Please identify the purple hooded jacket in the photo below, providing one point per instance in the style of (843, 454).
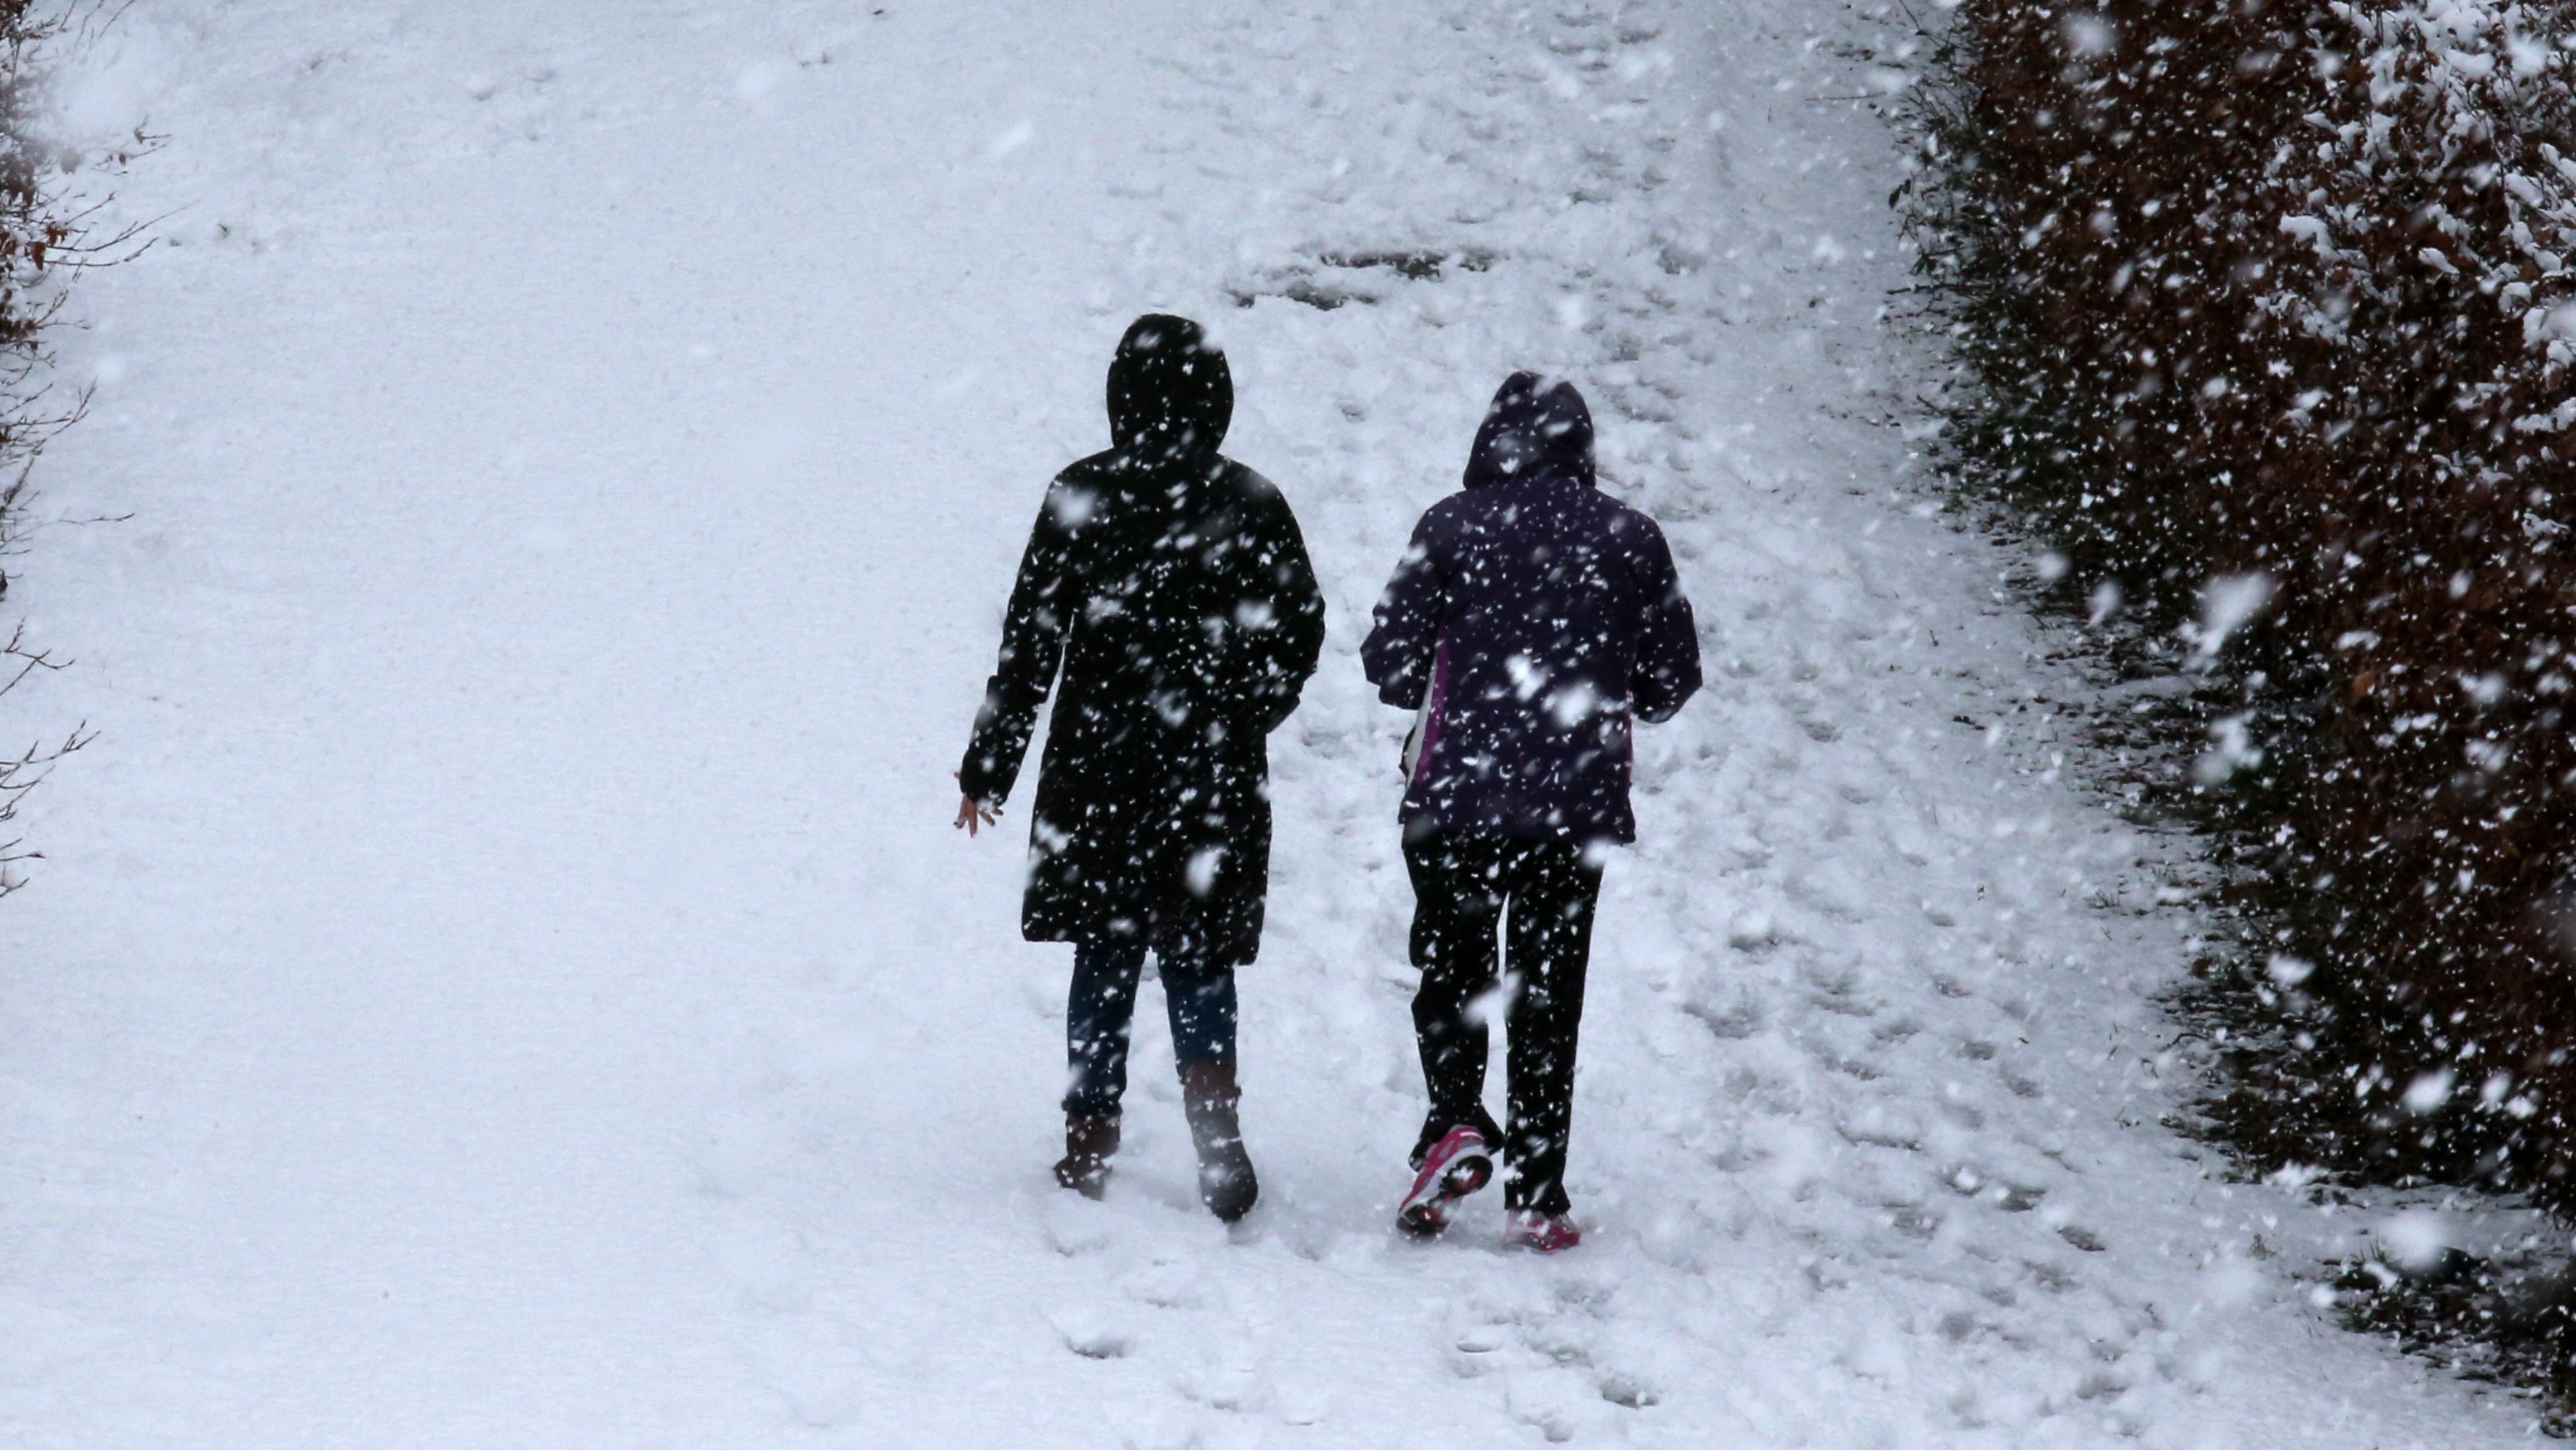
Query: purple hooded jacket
(1537, 617)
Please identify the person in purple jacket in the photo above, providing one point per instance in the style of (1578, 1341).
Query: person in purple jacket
(1532, 621)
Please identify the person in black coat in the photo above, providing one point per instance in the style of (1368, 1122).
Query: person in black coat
(1532, 622)
(1171, 586)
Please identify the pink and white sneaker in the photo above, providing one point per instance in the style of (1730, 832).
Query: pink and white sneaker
(1456, 1167)
(1545, 1234)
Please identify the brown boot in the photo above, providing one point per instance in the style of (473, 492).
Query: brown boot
(1089, 1141)
(1227, 1185)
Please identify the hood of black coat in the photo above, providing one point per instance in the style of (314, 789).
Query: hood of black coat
(1536, 426)
(1170, 395)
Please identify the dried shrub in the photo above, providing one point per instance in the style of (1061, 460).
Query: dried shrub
(2267, 324)
(45, 238)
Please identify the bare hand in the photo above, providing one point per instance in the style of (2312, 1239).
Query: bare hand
(974, 815)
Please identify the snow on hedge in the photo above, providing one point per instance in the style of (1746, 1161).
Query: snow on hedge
(2279, 293)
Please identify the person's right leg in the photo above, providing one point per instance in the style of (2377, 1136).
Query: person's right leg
(1201, 1001)
(1099, 1010)
(1554, 890)
(1457, 905)
(1098, 1013)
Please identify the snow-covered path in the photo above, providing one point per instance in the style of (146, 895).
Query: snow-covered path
(504, 973)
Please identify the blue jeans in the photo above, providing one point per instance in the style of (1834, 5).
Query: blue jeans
(1102, 1007)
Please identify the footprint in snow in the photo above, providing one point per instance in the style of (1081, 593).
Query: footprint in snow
(1074, 1225)
(1303, 1404)
(1629, 1392)
(1092, 1333)
(1167, 1285)
(1559, 1403)
(1484, 1339)
(1481, 1351)
(1227, 1379)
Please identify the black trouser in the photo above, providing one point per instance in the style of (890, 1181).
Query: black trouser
(1102, 1007)
(1461, 888)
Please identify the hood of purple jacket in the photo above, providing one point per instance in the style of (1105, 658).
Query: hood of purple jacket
(1536, 426)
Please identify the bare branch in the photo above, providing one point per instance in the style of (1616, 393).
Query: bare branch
(50, 232)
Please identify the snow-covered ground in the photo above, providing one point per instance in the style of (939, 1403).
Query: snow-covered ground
(504, 972)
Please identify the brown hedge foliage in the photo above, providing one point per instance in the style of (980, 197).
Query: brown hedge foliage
(2270, 301)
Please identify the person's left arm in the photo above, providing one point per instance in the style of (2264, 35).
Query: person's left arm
(1667, 669)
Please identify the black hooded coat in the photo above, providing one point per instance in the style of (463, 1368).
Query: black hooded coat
(1171, 586)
